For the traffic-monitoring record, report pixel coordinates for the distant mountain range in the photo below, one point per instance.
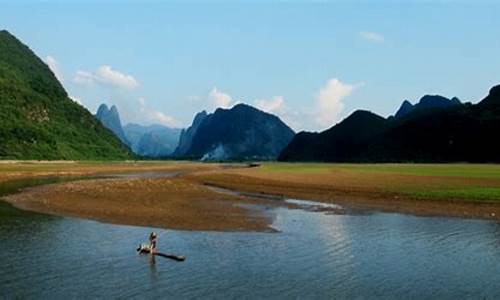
(37, 118)
(436, 129)
(39, 121)
(152, 141)
(242, 132)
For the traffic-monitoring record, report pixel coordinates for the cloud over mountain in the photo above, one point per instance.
(107, 76)
(154, 116)
(220, 99)
(329, 101)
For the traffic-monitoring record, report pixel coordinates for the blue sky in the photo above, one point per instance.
(311, 63)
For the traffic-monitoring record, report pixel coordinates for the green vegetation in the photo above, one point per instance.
(37, 118)
(470, 193)
(298, 167)
(470, 182)
(452, 170)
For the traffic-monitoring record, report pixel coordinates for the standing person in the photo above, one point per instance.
(152, 242)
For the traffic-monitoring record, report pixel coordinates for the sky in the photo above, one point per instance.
(310, 63)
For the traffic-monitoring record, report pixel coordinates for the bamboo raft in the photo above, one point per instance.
(145, 249)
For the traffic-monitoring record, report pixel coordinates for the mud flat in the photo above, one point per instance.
(172, 203)
(10, 170)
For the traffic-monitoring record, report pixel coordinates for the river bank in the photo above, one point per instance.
(187, 202)
(450, 190)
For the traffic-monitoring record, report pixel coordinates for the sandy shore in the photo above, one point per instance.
(172, 203)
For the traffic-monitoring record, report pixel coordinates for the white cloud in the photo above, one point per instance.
(325, 111)
(84, 78)
(164, 119)
(155, 116)
(371, 36)
(54, 67)
(329, 101)
(105, 75)
(218, 99)
(275, 105)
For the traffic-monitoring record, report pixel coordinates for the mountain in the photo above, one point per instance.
(492, 100)
(37, 118)
(458, 133)
(148, 141)
(342, 142)
(187, 135)
(242, 132)
(426, 103)
(405, 108)
(110, 118)
(152, 141)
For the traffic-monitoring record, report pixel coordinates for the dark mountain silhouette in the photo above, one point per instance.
(186, 137)
(153, 140)
(405, 108)
(110, 118)
(426, 103)
(37, 118)
(492, 101)
(242, 132)
(342, 142)
(457, 133)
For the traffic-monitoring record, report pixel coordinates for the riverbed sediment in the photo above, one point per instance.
(186, 202)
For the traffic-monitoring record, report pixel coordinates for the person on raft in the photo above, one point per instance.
(152, 242)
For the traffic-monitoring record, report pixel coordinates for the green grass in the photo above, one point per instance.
(446, 170)
(459, 181)
(470, 193)
(296, 167)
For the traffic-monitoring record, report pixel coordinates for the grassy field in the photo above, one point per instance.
(472, 182)
(455, 170)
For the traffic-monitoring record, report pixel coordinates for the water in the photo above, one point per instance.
(315, 255)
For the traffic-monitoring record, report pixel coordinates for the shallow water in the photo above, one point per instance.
(315, 255)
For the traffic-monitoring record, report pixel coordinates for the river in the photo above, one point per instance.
(314, 254)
